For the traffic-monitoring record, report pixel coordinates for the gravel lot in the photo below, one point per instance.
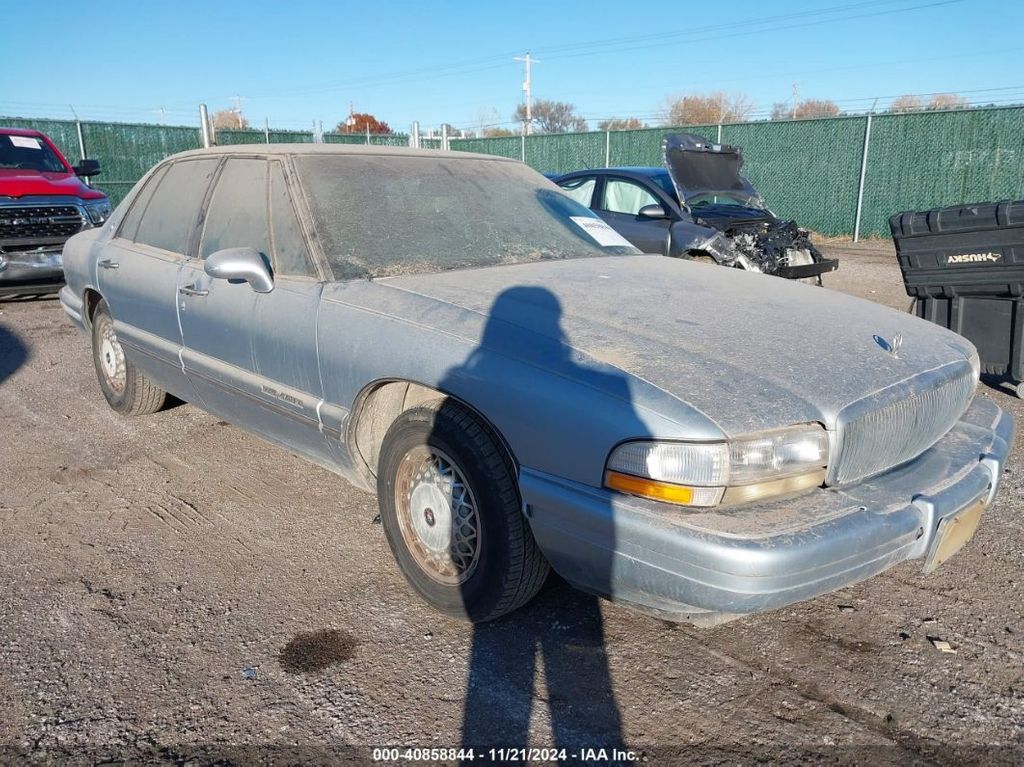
(173, 588)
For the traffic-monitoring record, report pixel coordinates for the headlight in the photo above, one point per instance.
(748, 468)
(98, 210)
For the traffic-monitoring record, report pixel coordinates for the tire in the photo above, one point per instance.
(126, 389)
(475, 558)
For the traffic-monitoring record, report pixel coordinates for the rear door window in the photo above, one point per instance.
(170, 217)
(237, 217)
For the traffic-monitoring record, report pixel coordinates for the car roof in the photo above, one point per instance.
(20, 132)
(342, 149)
(640, 170)
(623, 170)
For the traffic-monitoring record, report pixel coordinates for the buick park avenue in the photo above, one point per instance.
(523, 389)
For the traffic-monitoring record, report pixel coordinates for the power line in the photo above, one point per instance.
(613, 45)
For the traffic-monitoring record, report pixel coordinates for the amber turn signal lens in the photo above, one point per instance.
(649, 488)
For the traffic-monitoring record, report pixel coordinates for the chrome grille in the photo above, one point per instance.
(897, 424)
(39, 221)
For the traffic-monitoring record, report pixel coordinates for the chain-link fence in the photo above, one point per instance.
(808, 170)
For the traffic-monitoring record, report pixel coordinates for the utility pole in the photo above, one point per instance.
(796, 97)
(237, 109)
(527, 92)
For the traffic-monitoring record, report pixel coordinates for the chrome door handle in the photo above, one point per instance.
(106, 263)
(192, 290)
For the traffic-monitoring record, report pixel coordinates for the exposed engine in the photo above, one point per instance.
(771, 245)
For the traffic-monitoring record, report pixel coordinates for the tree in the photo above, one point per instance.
(947, 101)
(908, 103)
(708, 109)
(629, 123)
(553, 117)
(805, 110)
(361, 122)
(497, 132)
(229, 119)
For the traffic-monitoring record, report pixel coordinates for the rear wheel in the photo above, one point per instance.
(126, 389)
(450, 509)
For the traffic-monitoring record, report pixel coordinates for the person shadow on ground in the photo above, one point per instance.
(561, 633)
(12, 353)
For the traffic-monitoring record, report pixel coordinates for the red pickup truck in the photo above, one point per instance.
(43, 201)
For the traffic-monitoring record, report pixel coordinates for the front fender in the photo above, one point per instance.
(558, 410)
(686, 235)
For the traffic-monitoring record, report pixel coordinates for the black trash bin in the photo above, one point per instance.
(965, 266)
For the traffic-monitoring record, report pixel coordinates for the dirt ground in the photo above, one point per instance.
(173, 589)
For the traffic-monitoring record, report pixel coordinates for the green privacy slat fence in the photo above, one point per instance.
(808, 170)
(643, 147)
(511, 146)
(226, 137)
(920, 161)
(127, 151)
(561, 154)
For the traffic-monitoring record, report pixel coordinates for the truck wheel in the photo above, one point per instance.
(450, 508)
(127, 390)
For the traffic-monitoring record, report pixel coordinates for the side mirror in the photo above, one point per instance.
(87, 168)
(242, 264)
(654, 210)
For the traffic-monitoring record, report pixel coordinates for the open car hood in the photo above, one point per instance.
(700, 167)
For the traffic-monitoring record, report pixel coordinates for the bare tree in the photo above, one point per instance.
(947, 101)
(708, 109)
(230, 119)
(804, 110)
(628, 123)
(553, 117)
(496, 132)
(908, 103)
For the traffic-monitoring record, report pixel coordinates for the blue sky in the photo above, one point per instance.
(300, 61)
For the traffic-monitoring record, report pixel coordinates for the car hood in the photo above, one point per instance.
(700, 167)
(747, 350)
(15, 182)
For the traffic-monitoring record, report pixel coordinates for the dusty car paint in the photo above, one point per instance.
(626, 347)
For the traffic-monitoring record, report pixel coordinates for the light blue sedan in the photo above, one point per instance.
(523, 389)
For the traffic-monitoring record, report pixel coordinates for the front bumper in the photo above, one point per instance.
(31, 271)
(803, 271)
(706, 567)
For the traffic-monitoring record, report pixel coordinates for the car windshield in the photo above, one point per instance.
(380, 215)
(665, 182)
(28, 153)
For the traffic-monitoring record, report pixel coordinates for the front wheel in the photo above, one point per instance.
(450, 509)
(125, 387)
